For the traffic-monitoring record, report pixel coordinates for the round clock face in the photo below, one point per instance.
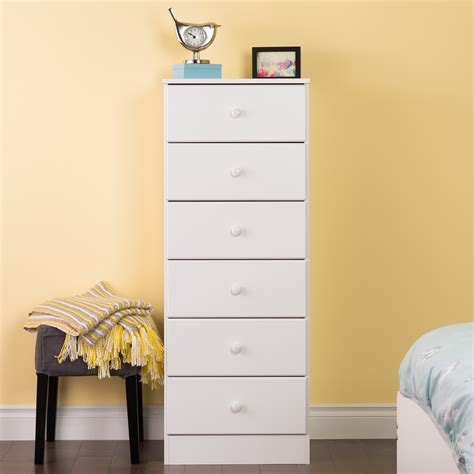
(194, 36)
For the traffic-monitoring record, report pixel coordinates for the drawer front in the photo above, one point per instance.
(236, 405)
(236, 171)
(222, 347)
(236, 289)
(226, 230)
(236, 113)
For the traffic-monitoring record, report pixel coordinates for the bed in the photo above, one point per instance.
(435, 404)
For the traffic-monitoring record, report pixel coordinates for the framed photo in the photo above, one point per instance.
(276, 62)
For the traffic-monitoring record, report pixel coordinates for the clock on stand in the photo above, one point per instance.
(196, 37)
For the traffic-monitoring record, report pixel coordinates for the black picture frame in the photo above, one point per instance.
(272, 49)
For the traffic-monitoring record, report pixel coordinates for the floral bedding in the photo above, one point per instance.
(438, 374)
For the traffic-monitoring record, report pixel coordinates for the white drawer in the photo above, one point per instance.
(219, 347)
(236, 405)
(236, 113)
(236, 230)
(236, 289)
(236, 171)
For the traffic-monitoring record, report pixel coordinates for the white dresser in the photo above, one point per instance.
(236, 276)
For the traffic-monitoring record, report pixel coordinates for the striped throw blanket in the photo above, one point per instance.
(105, 330)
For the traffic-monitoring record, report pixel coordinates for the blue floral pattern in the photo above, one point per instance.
(438, 374)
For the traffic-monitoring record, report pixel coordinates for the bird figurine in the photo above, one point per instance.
(195, 37)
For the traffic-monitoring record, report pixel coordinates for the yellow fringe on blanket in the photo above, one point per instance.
(143, 348)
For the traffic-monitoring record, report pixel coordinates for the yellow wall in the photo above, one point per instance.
(390, 170)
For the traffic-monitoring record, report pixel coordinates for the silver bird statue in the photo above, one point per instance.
(195, 37)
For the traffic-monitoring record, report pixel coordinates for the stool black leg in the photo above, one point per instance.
(132, 412)
(140, 410)
(41, 398)
(52, 405)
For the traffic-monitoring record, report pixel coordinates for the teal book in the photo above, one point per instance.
(197, 71)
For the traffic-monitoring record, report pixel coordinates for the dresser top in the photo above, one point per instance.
(237, 81)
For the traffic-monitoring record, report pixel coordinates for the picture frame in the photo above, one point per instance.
(276, 62)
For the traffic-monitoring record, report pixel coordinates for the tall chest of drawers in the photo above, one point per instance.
(236, 271)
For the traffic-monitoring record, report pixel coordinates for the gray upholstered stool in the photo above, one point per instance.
(49, 341)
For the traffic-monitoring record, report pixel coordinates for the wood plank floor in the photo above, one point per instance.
(103, 457)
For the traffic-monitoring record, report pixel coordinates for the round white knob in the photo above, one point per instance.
(235, 113)
(235, 231)
(236, 290)
(235, 348)
(235, 407)
(235, 172)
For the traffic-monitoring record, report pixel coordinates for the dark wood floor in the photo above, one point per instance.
(102, 457)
